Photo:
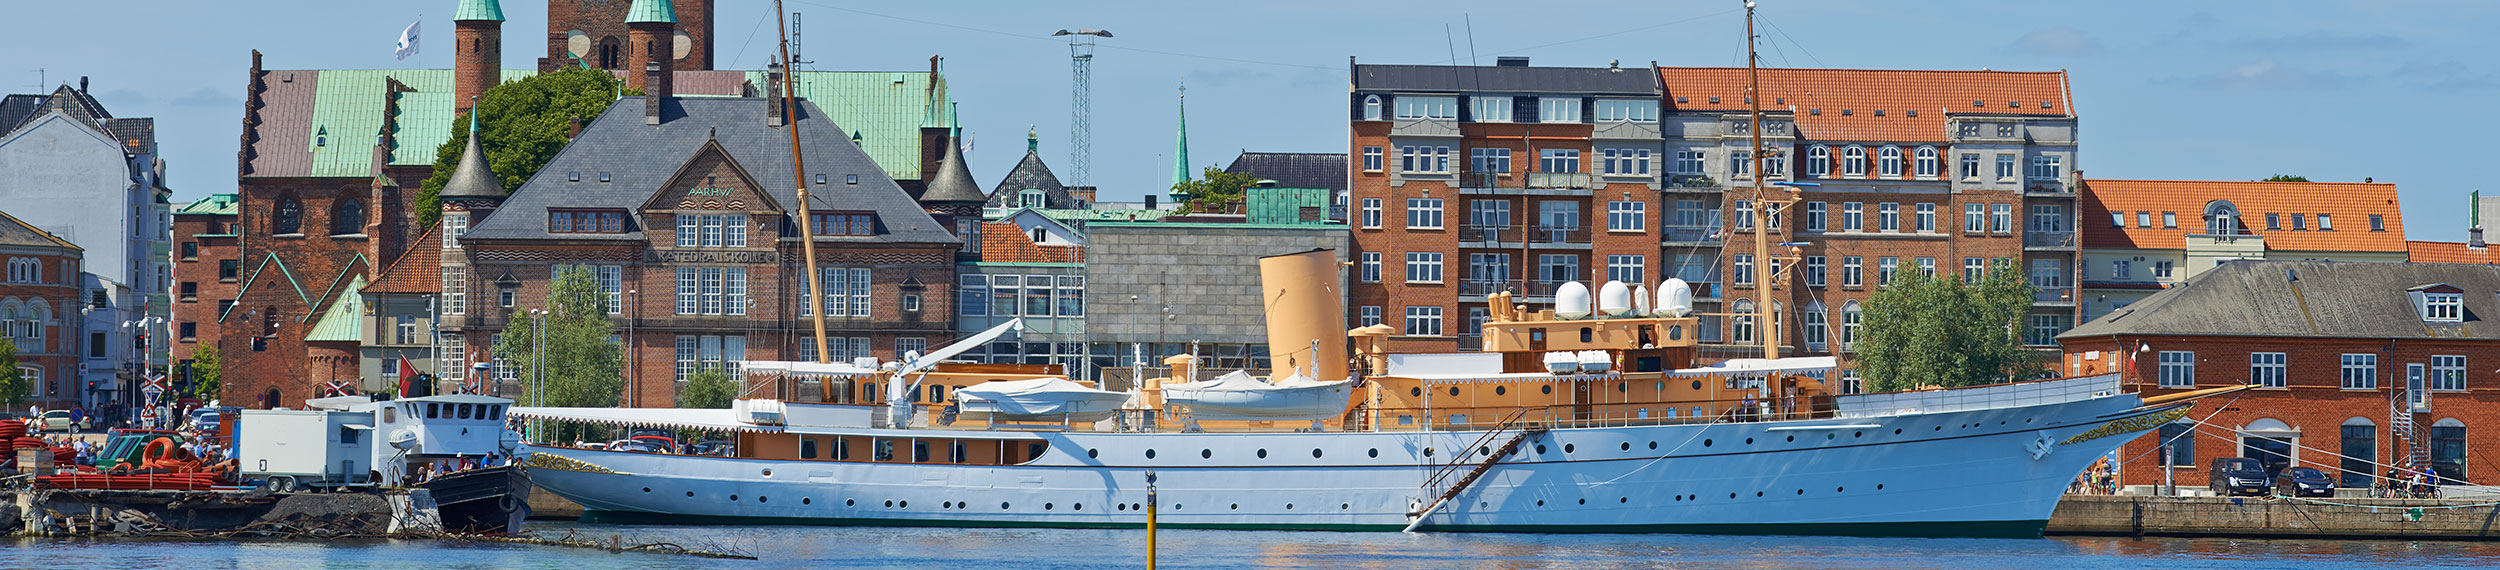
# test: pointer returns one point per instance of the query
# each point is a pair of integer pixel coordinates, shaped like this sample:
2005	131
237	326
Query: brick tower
651	29
478	63
596	32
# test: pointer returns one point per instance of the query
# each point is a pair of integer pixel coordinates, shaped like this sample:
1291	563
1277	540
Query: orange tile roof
2351	205
420	270
2448	252
1850	99
1003	242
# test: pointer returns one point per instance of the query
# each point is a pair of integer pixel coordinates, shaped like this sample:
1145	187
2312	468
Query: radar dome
1571	301
1675	298
1614	299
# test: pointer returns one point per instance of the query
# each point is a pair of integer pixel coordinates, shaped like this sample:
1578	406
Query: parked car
2232	476
59	420
2304	482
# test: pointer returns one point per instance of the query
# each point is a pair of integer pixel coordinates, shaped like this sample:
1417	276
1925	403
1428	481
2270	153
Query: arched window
1928	165
1853	161
1849	320
1891	161
1819	161
610	53
1817	325
2448	448
1371	107
38	314
2360	450
269	321
2222	218
347	217
287	217
1740	327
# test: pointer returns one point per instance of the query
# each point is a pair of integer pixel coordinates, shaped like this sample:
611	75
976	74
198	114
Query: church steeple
1180	147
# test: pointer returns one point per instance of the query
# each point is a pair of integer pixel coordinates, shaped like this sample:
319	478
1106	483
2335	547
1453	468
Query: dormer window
2443	307
585	221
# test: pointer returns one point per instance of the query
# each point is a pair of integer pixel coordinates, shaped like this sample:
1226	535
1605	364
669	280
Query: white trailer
294	449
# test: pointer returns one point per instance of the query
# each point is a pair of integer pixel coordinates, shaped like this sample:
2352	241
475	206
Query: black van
2238	476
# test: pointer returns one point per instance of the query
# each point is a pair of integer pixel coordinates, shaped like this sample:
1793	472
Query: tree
2286	178
525	123
207	376
13	386
710	388
1213	191
584	367
1927	332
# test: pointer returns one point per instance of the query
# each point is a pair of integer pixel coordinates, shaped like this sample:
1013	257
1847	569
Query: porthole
646	489
1705	443
733	498
1840	489
1748	441
850	502
1540	449
1500	390
1939	428
2026	420
946	505
1236	506
1697	384
1547	389
763	499
1623	387
1623	499
1374	453
1263	454
903	505
1093	453
1896	431
1288	506
1757	493
1679	498
1801	491
1792	439
1627	446
1857	434
889	504
1120	507
1150	454
1048	506
1344	506
807	500
690	493
1416	392
1206	454
1879	486
1568	448
1731	495
1484	450
1453	390
768	472
1540	502
1002	506
1315	453
1176	506
1584	501
1653	446
1675	332
1079	506
2000	422
1831	436
1427	452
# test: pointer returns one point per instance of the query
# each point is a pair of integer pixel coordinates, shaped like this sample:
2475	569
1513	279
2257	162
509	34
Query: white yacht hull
1986	472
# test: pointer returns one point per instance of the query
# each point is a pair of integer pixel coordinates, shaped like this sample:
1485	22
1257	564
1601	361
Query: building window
1743	272
611	280
1627	216
1371	213
1623	162
2360	371
1423	267
1816	323
1926	218
1970	165
1371	267
1423	321
26	270
2005	166
1740	164
2360	452
454	226
347	217
1740	327
1558	160
2448	449
1974	218
1888	217
848	291
1631	269
712	290
2120	269
2443	307
1488	269
2448	373
865	223
1819	161
2179	439
1744	215
1852	271
2178	369
455	291
1638	111
697	353
2001	218
1483	109
1690	161
972	295
1885	268
2161	270
1423	213
2045	167
2378	222
2266	369
287	218
1371	107
1488	161
1974	269
1558	110
1814	271
2326	222
1927	267
1850	319
1853	161
711	230
1371	159
1418	107
1558	268
1889	161
1368	316
1071	297
1815	213
1852	216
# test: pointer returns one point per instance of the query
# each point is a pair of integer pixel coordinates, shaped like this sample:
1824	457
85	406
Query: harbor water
1039	549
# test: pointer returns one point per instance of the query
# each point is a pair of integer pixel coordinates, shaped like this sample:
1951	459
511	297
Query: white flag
408	39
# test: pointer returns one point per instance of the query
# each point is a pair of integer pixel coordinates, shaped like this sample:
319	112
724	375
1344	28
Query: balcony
1482	179
2049	188
1559	235
1424	128
1487	234
2059	295
1701	182
2041	240
2226	243
1560	180
1525	290
1692	236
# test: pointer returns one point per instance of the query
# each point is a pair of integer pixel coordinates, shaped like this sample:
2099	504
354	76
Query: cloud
206	97
2319	40
2445	76
2057	41
2265	75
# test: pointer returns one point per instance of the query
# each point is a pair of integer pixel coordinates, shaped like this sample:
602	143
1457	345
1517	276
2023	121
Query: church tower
595	33
650	26
477	32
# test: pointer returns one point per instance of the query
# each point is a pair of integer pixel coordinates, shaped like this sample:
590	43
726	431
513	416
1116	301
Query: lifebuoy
507	503
156	449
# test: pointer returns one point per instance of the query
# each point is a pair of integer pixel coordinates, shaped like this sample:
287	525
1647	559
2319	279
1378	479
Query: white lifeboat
1237	396
1040	397
1562	362
1595	361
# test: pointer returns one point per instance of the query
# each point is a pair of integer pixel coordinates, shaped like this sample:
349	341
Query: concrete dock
2130	515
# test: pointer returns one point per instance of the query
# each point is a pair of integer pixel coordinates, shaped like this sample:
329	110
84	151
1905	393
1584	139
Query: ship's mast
798	170
1764	209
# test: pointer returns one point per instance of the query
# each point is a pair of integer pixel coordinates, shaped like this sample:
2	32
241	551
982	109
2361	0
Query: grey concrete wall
2273	517
1207	275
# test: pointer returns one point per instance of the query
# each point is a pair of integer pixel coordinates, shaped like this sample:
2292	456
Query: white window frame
1888	217
1368	315
1926	212
2001	218
2358	371
1853	161
1370	267
1888	162
1627	216
1423	320
1852	216
2006	167
1558	109
1852	271
1886	268
1741	268
1819	161
2443	307
2269	370
1372	159
1814	270
1489	109
1429	107
1632	269
1423	213
1928	165
2176	369
2047	167
1371	213
1423	267
2447	373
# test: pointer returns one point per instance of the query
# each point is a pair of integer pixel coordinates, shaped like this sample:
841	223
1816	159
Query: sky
2390	90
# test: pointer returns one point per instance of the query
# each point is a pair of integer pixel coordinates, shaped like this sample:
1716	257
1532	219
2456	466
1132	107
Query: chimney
1511	61
2474	238
1150	201
575	131
654	91
775	113
82	84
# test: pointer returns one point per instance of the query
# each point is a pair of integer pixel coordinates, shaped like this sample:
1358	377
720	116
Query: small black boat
490	500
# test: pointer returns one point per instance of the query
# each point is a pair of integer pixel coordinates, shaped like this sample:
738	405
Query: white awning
1814	366
665	418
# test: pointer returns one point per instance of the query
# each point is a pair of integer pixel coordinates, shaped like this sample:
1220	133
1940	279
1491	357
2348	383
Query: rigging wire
742	48
1801	48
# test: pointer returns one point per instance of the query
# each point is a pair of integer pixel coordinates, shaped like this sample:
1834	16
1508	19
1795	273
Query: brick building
324	155
684	207
2361	366
596	32
208	266
1470	180
2141	236
43	278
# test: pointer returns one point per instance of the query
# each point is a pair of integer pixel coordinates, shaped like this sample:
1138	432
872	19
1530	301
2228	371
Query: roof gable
1031	174
697	185
340	322
417	271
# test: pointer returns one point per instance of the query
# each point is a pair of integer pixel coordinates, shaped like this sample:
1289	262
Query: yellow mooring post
1150	520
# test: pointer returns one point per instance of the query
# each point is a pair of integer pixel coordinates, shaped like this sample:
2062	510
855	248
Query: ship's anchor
2041	446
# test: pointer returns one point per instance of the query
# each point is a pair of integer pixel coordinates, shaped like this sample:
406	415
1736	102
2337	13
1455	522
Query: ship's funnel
1571	301
1305	307
1614	299
1675	299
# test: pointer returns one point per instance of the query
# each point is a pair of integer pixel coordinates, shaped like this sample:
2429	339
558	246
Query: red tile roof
2448	252
2350	204
1003	242
1850	100
418	271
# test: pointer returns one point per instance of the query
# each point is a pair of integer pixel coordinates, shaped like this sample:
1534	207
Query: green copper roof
885	109
340	323
1287	206
1104	215
488	10
1180	146
650	11
214	204
347	114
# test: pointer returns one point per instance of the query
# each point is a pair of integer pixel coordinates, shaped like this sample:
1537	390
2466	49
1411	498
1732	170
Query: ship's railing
1979	397
1587	416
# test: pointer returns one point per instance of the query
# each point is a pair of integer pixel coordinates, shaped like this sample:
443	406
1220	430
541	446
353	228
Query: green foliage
710	388
583	367
1922	331
13	386
525	122
207	375
2285	178
1213	191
